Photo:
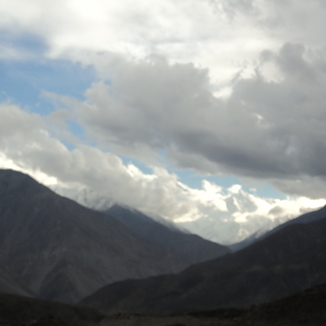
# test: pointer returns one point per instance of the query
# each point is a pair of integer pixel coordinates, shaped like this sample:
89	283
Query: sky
208	113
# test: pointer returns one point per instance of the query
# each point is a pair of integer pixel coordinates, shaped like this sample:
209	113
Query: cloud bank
266	129
216	87
223	215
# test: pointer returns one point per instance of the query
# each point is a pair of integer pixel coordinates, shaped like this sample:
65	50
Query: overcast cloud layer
218	87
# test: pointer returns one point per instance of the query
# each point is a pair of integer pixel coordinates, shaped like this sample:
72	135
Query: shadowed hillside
59	250
288	261
303	308
194	248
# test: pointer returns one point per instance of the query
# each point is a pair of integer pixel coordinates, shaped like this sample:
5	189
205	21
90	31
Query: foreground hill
62	251
304	308
194	248
17	310
288	261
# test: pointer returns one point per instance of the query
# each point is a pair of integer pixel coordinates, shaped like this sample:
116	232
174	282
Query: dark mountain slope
9	283
286	262
194	248
63	251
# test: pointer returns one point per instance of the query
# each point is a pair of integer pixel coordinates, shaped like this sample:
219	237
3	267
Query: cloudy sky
210	113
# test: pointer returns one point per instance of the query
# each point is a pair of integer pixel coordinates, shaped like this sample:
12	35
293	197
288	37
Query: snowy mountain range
240	219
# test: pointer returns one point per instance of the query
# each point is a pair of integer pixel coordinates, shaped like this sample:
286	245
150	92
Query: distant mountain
287	261
194	248
303	219
62	251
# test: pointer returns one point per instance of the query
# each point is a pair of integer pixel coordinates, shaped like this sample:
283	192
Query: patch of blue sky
68	145
192	179
76	129
266	190
24	45
147	169
24	82
141	166
26	73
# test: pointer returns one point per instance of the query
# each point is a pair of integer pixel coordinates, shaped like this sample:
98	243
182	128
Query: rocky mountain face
285	262
194	248
59	250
